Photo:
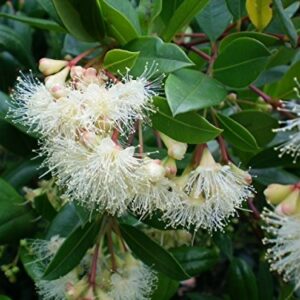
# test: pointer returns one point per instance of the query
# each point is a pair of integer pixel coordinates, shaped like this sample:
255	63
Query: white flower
211	194
284	244
97	173
154	191
134	281
292	146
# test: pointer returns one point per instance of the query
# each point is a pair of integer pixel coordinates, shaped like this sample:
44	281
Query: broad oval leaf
259	12
122	20
152	254
168	57
195	260
187	128
71	251
83	19
189	90
182	17
259	124
214	19
165	288
49	7
119	60
237	134
242	56
237	8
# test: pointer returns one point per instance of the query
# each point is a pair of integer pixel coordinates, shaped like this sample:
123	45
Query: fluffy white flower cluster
132	280
283	230
79	123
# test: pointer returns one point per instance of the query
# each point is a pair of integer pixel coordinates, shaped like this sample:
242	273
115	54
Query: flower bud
58	78
245	175
290	205
175	149
50	66
90	75
276	193
76	72
170	166
154	170
207	159
58	91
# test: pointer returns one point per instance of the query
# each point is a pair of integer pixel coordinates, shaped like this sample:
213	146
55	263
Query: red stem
75	60
198	153
223	150
256	213
93	274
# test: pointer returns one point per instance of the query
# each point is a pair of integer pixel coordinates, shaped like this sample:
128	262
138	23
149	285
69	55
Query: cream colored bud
276	193
176	149
154	170
102	295
290	205
232	96
90	75
50	66
170	166
207	159
76	72
58	78
58	91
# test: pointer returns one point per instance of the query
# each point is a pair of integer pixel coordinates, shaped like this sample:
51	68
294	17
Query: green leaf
196	260
187	128
119	60
245	56
165	288
83	19
267	39
259	124
286	23
122	20
214	19
224	243
3	297
259	12
16	219
182	17
12	42
167	56
151	253
49	7
270	175
35	22
285	87
237	134
189	90
44	207
265	282
237	8
23	173
72	251
65	221
241	281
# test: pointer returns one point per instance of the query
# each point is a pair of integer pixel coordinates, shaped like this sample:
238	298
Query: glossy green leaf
182	17
241	281
214	19
122	20
285	87
119	60
11	41
16	219
165	288
188	128
72	251
35	22
189	90
49	7
286	23
259	12
23	173
83	19
259	124
151	253
44	207
237	8
268	176
224	242
237	134
245	56
265	282
65	221
267	39
196	260
153	50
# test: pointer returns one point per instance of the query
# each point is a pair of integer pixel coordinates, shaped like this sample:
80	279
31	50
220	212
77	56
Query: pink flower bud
276	193
58	78
50	66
